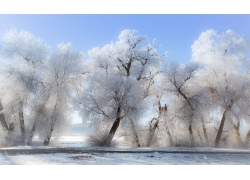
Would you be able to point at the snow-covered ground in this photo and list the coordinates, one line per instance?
(131, 165)
(124, 158)
(75, 139)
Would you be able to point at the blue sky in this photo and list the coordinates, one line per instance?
(175, 33)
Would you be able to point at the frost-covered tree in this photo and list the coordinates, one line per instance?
(36, 87)
(225, 76)
(120, 80)
(65, 72)
(182, 82)
(22, 54)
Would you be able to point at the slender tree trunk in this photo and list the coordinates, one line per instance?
(247, 139)
(199, 135)
(32, 132)
(192, 113)
(205, 132)
(47, 139)
(185, 97)
(22, 125)
(52, 125)
(53, 119)
(190, 130)
(237, 134)
(33, 129)
(135, 133)
(152, 131)
(169, 136)
(2, 119)
(218, 136)
(114, 127)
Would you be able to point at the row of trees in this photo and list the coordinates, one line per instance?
(129, 88)
(36, 87)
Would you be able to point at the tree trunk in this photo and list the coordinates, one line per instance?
(152, 130)
(191, 134)
(199, 135)
(218, 136)
(205, 132)
(247, 139)
(237, 134)
(2, 119)
(135, 133)
(169, 135)
(22, 125)
(185, 97)
(114, 127)
(32, 132)
(53, 120)
(47, 139)
(33, 129)
(192, 113)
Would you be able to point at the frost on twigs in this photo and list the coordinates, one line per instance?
(36, 87)
(121, 78)
(122, 87)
